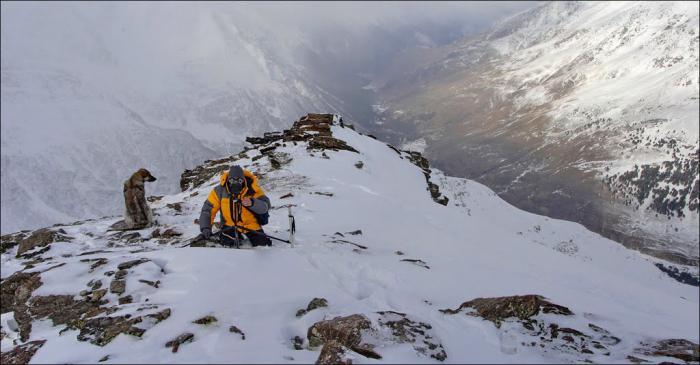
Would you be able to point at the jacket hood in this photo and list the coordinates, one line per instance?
(246, 173)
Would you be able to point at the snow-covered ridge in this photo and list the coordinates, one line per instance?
(372, 245)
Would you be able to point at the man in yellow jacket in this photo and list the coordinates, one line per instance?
(241, 204)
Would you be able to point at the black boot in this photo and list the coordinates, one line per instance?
(258, 238)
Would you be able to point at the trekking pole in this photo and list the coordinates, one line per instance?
(292, 225)
(236, 242)
(265, 234)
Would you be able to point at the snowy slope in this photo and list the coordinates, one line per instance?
(586, 111)
(476, 246)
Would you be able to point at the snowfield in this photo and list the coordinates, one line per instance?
(476, 246)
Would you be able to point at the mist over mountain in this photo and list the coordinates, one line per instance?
(93, 91)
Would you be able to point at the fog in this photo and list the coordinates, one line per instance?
(92, 91)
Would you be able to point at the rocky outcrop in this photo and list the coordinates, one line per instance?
(313, 304)
(206, 320)
(9, 241)
(15, 292)
(160, 316)
(406, 330)
(520, 306)
(333, 352)
(345, 330)
(179, 340)
(417, 159)
(41, 238)
(117, 287)
(314, 129)
(129, 264)
(101, 331)
(201, 174)
(522, 314)
(21, 354)
(680, 349)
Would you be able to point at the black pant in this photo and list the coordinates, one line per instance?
(257, 238)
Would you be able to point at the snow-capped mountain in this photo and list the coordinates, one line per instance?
(586, 111)
(393, 261)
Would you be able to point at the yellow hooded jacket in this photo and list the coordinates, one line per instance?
(219, 200)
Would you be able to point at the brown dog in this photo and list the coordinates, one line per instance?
(138, 214)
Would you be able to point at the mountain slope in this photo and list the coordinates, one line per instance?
(577, 110)
(372, 240)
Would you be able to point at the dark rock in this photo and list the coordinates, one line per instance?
(333, 352)
(151, 283)
(155, 233)
(126, 300)
(21, 354)
(102, 330)
(321, 142)
(120, 274)
(154, 198)
(417, 262)
(129, 264)
(104, 358)
(359, 164)
(117, 287)
(94, 284)
(16, 290)
(97, 295)
(399, 253)
(418, 333)
(288, 195)
(635, 360)
(298, 343)
(366, 350)
(681, 349)
(160, 316)
(171, 232)
(345, 330)
(9, 241)
(234, 329)
(313, 304)
(175, 206)
(96, 262)
(354, 233)
(680, 276)
(62, 310)
(179, 340)
(206, 320)
(130, 237)
(41, 238)
(520, 306)
(201, 174)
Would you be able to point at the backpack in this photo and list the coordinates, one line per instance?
(264, 218)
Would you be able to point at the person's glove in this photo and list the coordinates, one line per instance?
(206, 233)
